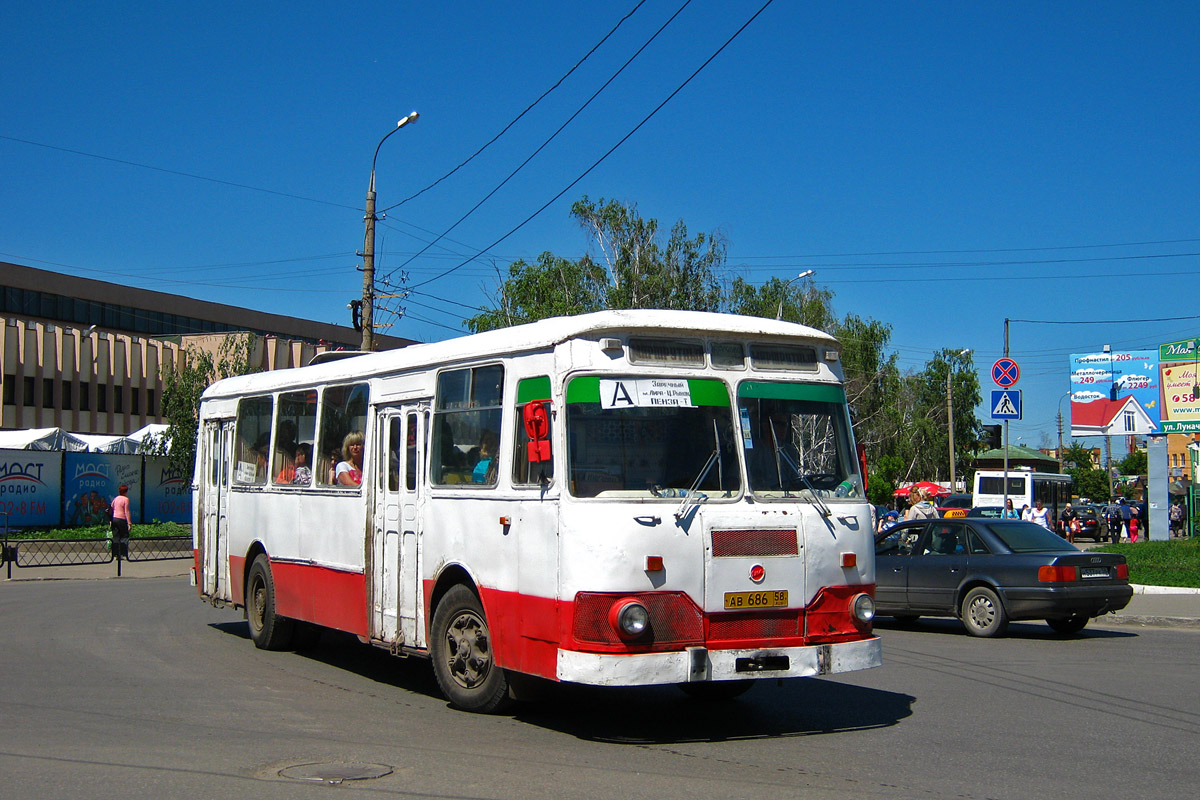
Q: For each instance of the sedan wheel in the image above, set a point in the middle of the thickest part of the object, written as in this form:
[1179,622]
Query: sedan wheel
[983,613]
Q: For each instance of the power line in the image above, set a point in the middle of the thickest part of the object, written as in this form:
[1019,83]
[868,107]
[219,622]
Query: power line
[528,108]
[177,172]
[554,135]
[979,250]
[611,150]
[1099,321]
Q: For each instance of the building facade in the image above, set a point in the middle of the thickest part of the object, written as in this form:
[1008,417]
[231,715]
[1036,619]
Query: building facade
[88,356]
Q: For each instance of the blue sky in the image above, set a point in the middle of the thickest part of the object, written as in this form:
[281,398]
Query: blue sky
[941,166]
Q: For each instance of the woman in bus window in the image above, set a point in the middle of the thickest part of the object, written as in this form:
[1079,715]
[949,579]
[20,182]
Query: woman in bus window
[349,470]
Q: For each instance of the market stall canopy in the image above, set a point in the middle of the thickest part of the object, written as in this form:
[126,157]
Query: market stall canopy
[930,488]
[42,439]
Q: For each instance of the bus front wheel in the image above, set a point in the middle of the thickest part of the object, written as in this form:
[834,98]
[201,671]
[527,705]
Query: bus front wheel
[268,630]
[463,660]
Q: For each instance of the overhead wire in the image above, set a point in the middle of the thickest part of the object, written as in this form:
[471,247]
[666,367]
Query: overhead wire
[526,110]
[611,150]
[559,130]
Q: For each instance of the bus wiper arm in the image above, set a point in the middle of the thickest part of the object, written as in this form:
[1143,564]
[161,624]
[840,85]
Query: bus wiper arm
[693,496]
[822,509]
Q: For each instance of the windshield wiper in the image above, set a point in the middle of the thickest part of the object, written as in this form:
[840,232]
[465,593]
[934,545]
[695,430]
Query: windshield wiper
[780,453]
[693,495]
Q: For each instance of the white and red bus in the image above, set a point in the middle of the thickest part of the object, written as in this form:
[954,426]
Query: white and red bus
[619,498]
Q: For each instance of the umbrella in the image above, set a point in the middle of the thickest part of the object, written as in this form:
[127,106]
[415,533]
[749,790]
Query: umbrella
[930,488]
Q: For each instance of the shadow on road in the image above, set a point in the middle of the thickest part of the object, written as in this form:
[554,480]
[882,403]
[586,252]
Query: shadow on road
[644,715]
[663,715]
[1032,630]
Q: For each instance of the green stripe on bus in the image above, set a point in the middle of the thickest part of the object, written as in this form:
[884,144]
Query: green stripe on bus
[533,389]
[704,391]
[816,392]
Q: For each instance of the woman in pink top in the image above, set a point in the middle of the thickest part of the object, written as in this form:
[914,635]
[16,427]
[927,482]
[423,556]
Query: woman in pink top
[121,521]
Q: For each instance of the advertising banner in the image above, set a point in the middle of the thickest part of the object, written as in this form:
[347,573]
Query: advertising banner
[168,492]
[91,481]
[1178,381]
[1115,394]
[30,488]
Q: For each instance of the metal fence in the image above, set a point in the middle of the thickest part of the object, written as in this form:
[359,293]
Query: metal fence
[25,552]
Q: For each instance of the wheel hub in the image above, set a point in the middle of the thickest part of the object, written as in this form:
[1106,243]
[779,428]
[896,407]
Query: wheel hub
[470,657]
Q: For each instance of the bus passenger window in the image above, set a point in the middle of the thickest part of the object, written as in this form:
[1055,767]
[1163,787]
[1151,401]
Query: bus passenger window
[253,440]
[467,426]
[342,447]
[295,430]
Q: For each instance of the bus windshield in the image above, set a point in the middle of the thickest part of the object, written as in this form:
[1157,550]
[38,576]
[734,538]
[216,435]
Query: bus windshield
[650,438]
[797,437]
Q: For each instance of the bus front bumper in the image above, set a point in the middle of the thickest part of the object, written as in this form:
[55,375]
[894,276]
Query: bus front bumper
[699,664]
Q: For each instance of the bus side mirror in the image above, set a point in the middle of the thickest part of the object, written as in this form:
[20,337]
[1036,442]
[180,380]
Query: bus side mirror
[537,427]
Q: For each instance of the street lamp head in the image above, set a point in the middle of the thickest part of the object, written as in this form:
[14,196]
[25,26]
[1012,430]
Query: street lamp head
[805,274]
[412,117]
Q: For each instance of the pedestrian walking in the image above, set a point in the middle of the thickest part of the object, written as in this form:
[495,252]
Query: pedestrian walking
[1067,522]
[121,522]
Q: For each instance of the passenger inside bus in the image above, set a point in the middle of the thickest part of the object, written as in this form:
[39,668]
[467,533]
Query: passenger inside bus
[484,457]
[348,472]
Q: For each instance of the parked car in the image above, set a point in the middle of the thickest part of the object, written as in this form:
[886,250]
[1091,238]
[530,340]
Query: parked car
[1091,522]
[987,572]
[988,512]
[955,503]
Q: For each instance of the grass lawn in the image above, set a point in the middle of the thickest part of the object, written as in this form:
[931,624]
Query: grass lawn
[101,531]
[1174,563]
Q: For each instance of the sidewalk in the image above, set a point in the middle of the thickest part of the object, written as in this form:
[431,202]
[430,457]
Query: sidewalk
[176,567]
[1161,606]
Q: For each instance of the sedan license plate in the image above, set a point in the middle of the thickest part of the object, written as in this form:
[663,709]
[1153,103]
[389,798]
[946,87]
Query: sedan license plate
[1093,572]
[744,600]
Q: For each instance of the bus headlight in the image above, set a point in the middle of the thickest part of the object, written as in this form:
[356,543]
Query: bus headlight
[863,608]
[629,618]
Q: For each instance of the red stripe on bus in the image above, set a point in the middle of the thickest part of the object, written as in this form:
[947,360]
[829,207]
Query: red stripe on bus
[330,597]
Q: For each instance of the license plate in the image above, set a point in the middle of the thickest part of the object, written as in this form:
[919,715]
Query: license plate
[1093,572]
[744,600]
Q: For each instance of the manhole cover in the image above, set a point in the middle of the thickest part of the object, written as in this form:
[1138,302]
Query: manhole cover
[335,772]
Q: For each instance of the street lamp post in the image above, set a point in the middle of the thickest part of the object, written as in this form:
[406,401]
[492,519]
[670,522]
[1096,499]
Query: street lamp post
[782,292]
[950,416]
[368,254]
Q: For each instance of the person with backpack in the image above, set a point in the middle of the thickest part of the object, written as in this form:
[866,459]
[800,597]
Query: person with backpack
[921,508]
[1176,516]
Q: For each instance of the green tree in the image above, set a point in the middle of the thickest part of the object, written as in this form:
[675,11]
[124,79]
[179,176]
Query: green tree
[1133,464]
[183,383]
[1088,482]
[551,287]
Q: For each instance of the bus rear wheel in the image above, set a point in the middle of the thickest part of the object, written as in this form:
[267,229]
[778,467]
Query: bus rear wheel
[268,630]
[463,660]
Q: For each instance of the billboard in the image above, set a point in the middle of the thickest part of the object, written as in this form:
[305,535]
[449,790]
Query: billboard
[1178,386]
[30,487]
[1115,394]
[168,492]
[90,482]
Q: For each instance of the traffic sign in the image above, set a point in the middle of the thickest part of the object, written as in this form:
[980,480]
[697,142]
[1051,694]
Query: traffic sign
[1006,404]
[1005,372]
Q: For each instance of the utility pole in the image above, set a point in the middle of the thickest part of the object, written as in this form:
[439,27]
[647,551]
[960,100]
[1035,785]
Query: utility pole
[368,252]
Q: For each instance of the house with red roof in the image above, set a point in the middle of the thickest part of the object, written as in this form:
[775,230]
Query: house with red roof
[1121,417]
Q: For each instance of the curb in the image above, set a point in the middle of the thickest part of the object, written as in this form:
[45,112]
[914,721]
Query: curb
[1141,589]
[1148,621]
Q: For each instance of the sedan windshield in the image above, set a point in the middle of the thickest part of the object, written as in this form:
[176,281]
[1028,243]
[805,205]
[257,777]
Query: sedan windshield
[796,437]
[650,438]
[1026,537]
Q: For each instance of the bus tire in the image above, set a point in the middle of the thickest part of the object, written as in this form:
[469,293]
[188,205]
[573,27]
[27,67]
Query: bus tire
[463,659]
[268,630]
[716,691]
[983,613]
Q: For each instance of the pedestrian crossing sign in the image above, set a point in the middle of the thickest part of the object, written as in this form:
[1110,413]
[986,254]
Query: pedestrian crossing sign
[1006,404]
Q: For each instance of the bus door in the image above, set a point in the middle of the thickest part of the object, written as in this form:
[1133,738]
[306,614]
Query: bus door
[218,441]
[395,577]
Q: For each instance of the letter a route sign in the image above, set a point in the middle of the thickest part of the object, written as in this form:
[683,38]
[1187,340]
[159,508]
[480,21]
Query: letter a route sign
[1005,373]
[1006,404]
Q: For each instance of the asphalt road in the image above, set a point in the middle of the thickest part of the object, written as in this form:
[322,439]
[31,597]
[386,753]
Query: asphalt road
[135,689]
